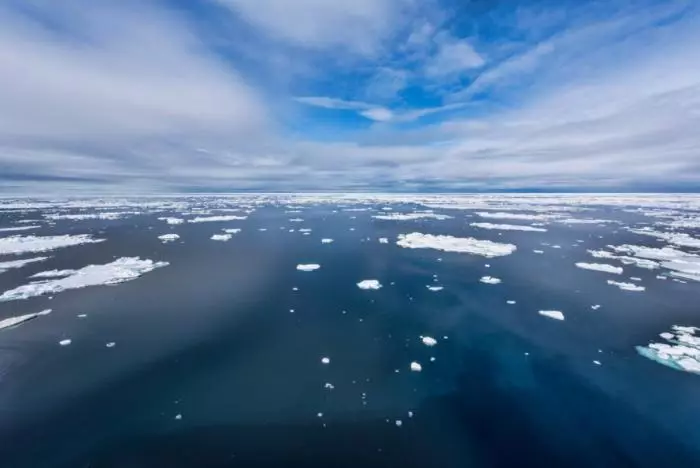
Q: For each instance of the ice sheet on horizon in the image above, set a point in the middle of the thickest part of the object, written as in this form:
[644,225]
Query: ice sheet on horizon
[4,266]
[507,227]
[118,271]
[469,245]
[26,244]
[603,267]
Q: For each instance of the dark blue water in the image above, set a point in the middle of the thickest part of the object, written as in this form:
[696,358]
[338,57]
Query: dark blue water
[210,338]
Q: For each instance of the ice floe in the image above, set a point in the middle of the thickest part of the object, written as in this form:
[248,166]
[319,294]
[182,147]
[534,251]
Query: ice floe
[4,266]
[65,342]
[14,321]
[118,271]
[18,228]
[383,240]
[507,227]
[520,216]
[411,216]
[26,244]
[165,238]
[369,284]
[429,341]
[676,238]
[681,352]
[308,266]
[216,219]
[326,241]
[490,280]
[553,314]
[232,230]
[435,288]
[416,367]
[221,237]
[604,267]
[325,360]
[172,220]
[469,245]
[626,286]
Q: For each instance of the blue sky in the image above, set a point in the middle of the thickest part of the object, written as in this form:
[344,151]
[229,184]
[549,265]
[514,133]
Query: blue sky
[361,95]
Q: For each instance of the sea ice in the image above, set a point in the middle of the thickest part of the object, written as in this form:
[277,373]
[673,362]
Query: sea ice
[507,227]
[468,245]
[554,314]
[4,266]
[490,280]
[369,284]
[626,286]
[13,321]
[308,266]
[605,268]
[25,244]
[168,238]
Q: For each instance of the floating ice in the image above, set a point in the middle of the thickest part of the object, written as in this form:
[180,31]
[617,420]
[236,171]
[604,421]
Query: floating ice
[14,321]
[325,360]
[221,237]
[520,216]
[172,220]
[369,284]
[416,367]
[4,266]
[329,386]
[111,344]
[469,245]
[118,271]
[65,342]
[308,266]
[19,228]
[216,219]
[168,238]
[682,352]
[53,274]
[553,314]
[490,280]
[507,227]
[232,230]
[604,267]
[435,288]
[25,244]
[510,302]
[411,216]
[626,286]
[383,240]
[326,241]
[676,238]
[398,423]
[429,341]
[296,220]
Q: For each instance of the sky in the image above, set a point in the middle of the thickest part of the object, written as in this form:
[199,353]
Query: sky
[349,95]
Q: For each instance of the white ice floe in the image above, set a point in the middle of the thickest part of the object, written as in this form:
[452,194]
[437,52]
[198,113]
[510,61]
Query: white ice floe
[308,266]
[52,274]
[626,286]
[111,216]
[296,220]
[14,321]
[553,314]
[369,284]
[165,238]
[18,228]
[682,264]
[682,352]
[469,245]
[65,342]
[510,302]
[490,280]
[416,367]
[172,220]
[429,340]
[118,271]
[583,221]
[27,244]
[676,238]
[520,216]
[329,386]
[603,267]
[4,266]
[411,216]
[325,360]
[508,227]
[326,241]
[232,230]
[595,306]
[216,219]
[383,240]
[435,288]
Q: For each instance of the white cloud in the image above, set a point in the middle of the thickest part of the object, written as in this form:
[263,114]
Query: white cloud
[453,57]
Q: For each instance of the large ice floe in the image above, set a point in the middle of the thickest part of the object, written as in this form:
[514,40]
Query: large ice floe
[518,216]
[604,267]
[308,266]
[221,237]
[27,244]
[468,245]
[369,284]
[14,321]
[118,271]
[508,227]
[172,220]
[411,216]
[627,286]
[682,264]
[4,266]
[165,238]
[676,238]
[216,219]
[681,351]
[490,280]
[553,314]
[18,228]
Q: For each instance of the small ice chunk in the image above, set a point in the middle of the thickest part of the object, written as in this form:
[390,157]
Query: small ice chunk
[626,286]
[165,238]
[490,280]
[111,344]
[14,321]
[369,284]
[429,341]
[232,230]
[326,241]
[325,360]
[221,237]
[416,367]
[510,302]
[308,266]
[65,342]
[595,306]
[178,417]
[435,288]
[329,386]
[398,423]
[597,363]
[554,314]
[383,240]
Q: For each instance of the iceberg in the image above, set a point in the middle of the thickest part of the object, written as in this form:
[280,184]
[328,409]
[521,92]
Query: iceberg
[469,245]
[118,271]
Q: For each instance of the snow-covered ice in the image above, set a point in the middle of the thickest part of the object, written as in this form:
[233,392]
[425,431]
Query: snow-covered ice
[553,314]
[221,237]
[429,341]
[681,352]
[416,367]
[604,267]
[468,245]
[26,244]
[490,280]
[216,219]
[508,227]
[626,286]
[308,266]
[14,321]
[369,284]
[4,266]
[165,238]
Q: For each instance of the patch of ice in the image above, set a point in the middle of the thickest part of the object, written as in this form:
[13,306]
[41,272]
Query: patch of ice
[416,367]
[232,230]
[25,244]
[553,314]
[508,227]
[490,280]
[53,274]
[626,286]
[65,342]
[603,267]
[520,216]
[14,321]
[326,241]
[118,271]
[165,238]
[325,360]
[172,220]
[383,240]
[221,237]
[435,288]
[510,302]
[682,352]
[411,216]
[216,219]
[19,228]
[468,245]
[4,266]
[369,284]
[676,238]
[308,266]
[429,341]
